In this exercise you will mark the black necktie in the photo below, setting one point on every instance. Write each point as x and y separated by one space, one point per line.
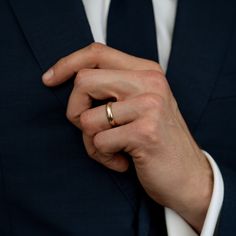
131 29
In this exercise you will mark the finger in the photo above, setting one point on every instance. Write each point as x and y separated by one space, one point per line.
95 55
95 120
115 140
100 85
114 161
103 84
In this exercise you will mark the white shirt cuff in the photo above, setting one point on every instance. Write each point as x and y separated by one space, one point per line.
177 226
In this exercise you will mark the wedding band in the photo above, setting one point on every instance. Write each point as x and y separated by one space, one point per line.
110 116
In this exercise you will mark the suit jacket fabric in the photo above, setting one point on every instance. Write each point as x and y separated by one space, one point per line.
48 186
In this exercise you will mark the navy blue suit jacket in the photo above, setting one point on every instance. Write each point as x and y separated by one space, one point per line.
48 185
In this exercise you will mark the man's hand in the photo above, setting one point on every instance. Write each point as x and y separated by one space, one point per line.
169 164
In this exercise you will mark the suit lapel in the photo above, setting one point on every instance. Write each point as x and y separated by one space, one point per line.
53 30
201 35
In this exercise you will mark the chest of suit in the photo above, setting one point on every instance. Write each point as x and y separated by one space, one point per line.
48 152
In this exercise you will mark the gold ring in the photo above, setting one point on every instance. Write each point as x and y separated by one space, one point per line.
110 116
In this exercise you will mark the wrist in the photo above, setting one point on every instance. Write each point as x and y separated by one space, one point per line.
195 199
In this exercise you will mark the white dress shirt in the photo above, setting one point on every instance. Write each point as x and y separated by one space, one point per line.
165 12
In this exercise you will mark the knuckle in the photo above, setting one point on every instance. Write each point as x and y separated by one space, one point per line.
99 144
155 66
96 48
163 84
153 101
85 121
152 77
72 116
82 77
92 153
69 115
153 74
148 131
77 81
156 79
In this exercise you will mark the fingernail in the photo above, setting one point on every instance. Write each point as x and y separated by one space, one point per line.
48 75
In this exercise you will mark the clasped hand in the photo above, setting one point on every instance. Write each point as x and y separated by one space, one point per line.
169 164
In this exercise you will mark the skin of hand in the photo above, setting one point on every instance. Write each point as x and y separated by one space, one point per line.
169 164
